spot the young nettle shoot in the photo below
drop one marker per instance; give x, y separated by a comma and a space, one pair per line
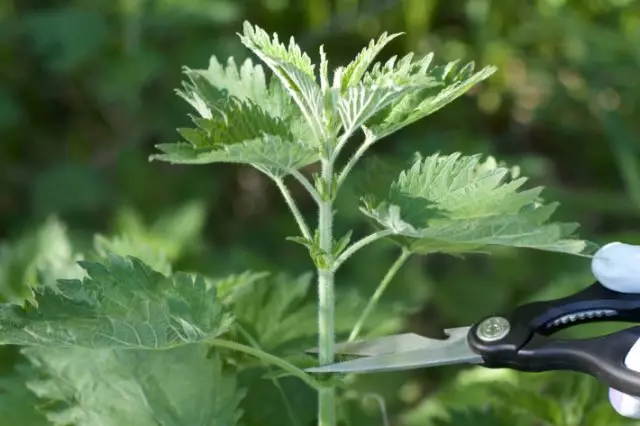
299, 114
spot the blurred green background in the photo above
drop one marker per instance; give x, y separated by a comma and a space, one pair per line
87, 89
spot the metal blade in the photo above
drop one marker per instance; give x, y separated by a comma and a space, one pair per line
384, 345
454, 350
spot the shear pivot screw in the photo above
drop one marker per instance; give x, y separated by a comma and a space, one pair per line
492, 329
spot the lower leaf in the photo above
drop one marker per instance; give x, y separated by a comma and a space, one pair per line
175, 387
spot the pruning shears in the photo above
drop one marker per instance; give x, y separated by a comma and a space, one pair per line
519, 340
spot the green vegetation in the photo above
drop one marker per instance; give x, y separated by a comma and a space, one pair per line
148, 293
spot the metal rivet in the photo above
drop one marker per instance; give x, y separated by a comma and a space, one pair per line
492, 329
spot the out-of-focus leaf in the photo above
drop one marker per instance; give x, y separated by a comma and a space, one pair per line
174, 387
158, 244
18, 405
36, 258
122, 303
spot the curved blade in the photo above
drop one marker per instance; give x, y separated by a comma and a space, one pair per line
454, 350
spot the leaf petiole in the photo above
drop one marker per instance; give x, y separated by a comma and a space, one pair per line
269, 359
304, 228
369, 140
353, 248
375, 298
306, 184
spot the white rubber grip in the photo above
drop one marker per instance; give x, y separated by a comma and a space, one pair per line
617, 266
626, 405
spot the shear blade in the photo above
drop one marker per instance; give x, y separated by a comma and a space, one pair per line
389, 354
382, 345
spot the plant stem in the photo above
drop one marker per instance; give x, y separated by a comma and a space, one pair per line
373, 301
358, 245
326, 338
304, 229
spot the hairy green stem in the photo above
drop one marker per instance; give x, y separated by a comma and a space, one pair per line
373, 301
304, 229
326, 338
350, 251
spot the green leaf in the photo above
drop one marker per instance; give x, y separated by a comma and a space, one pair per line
122, 303
435, 88
35, 258
341, 244
474, 417
210, 88
217, 82
294, 69
174, 387
352, 74
276, 310
290, 402
359, 103
242, 119
455, 204
18, 405
269, 154
158, 244
232, 122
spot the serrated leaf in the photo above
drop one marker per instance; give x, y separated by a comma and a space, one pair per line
269, 154
158, 244
359, 103
174, 387
454, 204
217, 83
242, 119
122, 303
234, 121
352, 74
275, 311
435, 88
294, 69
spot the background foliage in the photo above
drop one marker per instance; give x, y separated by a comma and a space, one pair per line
87, 88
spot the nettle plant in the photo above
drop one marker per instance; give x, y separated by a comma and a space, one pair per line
129, 341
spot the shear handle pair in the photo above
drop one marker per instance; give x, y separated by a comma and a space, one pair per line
528, 347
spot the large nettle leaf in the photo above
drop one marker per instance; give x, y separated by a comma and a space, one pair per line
122, 303
457, 204
242, 119
432, 88
397, 93
105, 387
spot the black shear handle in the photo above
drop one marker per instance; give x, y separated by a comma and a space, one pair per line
528, 347
602, 357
